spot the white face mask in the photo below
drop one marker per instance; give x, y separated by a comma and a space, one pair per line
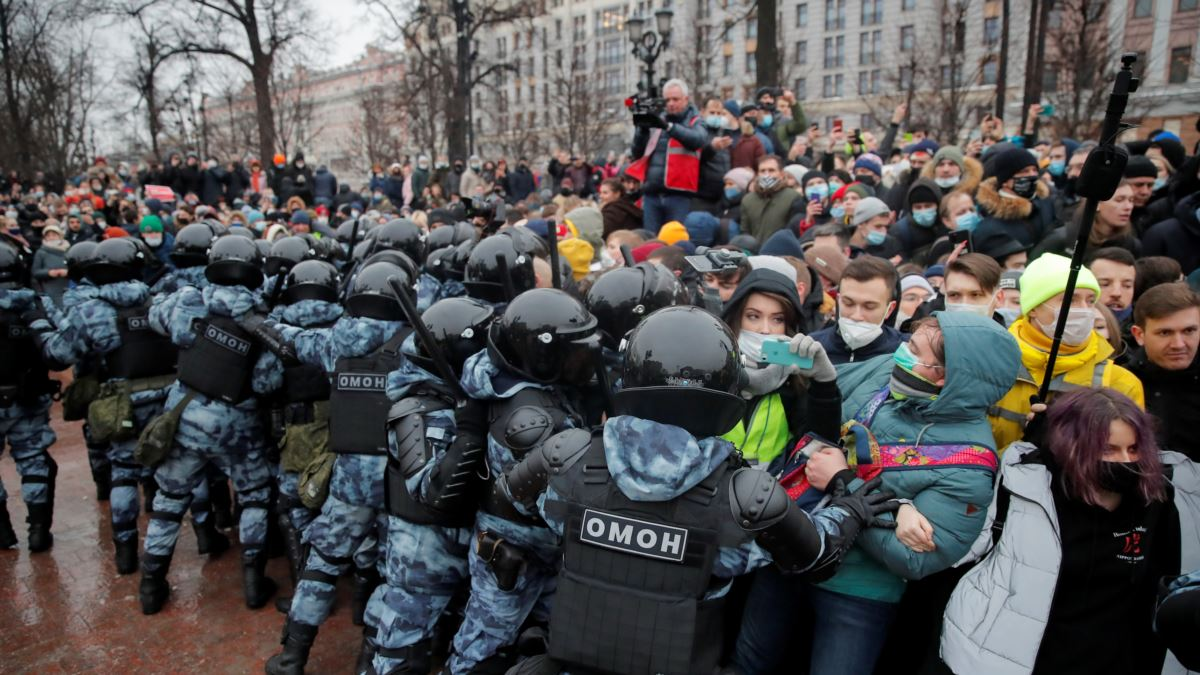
858, 334
606, 259
1080, 322
750, 344
980, 310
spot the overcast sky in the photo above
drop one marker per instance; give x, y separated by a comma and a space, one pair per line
350, 29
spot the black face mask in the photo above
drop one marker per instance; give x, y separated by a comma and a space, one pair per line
1025, 187
566, 191
868, 180
1122, 478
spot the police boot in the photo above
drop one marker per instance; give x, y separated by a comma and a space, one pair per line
40, 517
416, 657
8, 538
126, 555
366, 653
297, 641
294, 548
102, 476
154, 589
256, 585
209, 541
365, 582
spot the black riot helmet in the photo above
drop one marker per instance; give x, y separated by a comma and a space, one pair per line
547, 336
450, 235
286, 252
459, 327
681, 367
192, 244
372, 295
397, 258
234, 261
118, 259
13, 271
239, 231
264, 247
400, 234
484, 276
78, 257
624, 296
311, 280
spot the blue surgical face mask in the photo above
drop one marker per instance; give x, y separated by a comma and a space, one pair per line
834, 186
1159, 183
1057, 168
714, 121
924, 217
817, 191
875, 237
968, 221
838, 212
732, 193
766, 120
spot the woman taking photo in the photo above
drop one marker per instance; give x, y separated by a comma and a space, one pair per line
780, 407
1087, 528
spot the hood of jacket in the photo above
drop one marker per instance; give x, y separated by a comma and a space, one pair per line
1005, 207
653, 462
16, 300
231, 301
925, 183
309, 313
483, 379
1185, 213
409, 375
357, 336
124, 293
972, 175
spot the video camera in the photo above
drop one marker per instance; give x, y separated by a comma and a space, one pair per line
647, 110
710, 260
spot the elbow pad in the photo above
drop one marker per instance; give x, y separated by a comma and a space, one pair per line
761, 505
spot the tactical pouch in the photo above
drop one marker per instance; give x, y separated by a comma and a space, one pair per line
110, 415
159, 435
506, 561
314, 480
78, 396
302, 443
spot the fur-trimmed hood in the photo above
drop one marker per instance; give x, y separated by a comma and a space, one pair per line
971, 177
1004, 207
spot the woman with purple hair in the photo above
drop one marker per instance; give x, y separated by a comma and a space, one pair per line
1081, 531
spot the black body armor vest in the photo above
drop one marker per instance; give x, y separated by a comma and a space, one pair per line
23, 375
641, 571
358, 402
143, 352
220, 363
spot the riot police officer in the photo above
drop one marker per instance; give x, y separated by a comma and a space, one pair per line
658, 513
436, 451
540, 352
359, 350
218, 419
25, 391
136, 366
500, 267
190, 256
434, 284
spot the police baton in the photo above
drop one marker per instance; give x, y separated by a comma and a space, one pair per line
1100, 178
510, 292
555, 275
427, 342
353, 237
627, 254
280, 282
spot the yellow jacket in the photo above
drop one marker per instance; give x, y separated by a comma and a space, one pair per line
1084, 366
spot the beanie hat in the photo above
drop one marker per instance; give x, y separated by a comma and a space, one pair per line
672, 232
868, 209
814, 174
916, 281
935, 271
280, 159
253, 216
740, 176
150, 223
52, 228
796, 172
701, 228
588, 224
113, 232
773, 263
871, 163
783, 242
859, 189
300, 217
1046, 277
641, 253
1004, 165
1140, 166
578, 254
1070, 145
733, 108
828, 261
154, 205
952, 153
925, 145
1172, 150
1011, 279
924, 191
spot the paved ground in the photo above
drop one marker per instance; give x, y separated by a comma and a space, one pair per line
67, 610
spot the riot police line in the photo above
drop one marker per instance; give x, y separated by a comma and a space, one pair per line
514, 475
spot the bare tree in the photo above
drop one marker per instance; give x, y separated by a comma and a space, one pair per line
293, 107
143, 71
252, 33
1084, 63
444, 36
580, 99
23, 28
376, 134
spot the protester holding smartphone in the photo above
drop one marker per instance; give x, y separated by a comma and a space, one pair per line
788, 394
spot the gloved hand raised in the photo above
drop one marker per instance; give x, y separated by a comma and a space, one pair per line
822, 369
864, 504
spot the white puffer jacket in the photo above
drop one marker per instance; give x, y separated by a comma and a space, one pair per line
997, 614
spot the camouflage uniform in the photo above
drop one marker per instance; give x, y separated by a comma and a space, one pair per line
424, 565
349, 516
493, 617
430, 290
26, 427
97, 452
210, 430
179, 278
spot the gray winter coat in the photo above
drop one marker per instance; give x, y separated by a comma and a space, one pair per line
998, 613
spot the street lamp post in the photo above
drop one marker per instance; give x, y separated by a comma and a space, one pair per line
649, 44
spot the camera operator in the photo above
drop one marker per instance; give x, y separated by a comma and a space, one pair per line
668, 141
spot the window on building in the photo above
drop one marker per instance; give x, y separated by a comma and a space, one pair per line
908, 5
827, 86
751, 27
801, 88
1139, 66
872, 12
991, 30
864, 49
875, 81
867, 121
1050, 78
558, 29
864, 83
840, 49
1181, 64
1143, 8
501, 47
960, 36
801, 52
908, 38
838, 81
835, 14
1188, 5
989, 72
802, 15
906, 77
727, 65
751, 62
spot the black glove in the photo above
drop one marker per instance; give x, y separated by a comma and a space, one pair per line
270, 337
470, 417
866, 508
1035, 429
36, 311
649, 121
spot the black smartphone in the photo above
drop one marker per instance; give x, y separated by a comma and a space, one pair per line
959, 236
